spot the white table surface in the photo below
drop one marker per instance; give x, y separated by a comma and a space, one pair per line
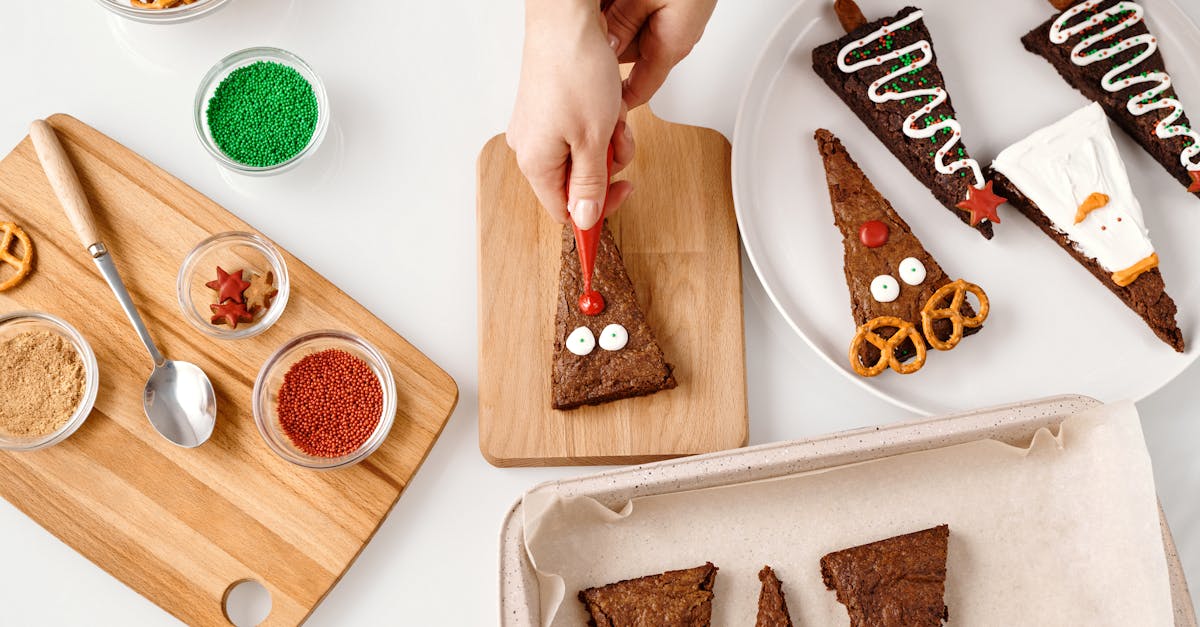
416, 89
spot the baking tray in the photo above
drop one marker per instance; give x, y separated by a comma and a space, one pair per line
1013, 424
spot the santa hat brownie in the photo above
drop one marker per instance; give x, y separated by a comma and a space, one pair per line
886, 72
1068, 178
899, 295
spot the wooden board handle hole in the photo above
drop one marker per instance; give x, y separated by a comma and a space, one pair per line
246, 603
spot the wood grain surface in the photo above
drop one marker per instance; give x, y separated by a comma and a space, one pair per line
182, 526
679, 238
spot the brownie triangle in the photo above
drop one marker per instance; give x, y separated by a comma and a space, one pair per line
904, 85
1141, 73
602, 373
772, 606
1068, 179
681, 598
898, 581
858, 206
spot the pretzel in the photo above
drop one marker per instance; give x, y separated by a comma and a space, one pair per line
887, 347
24, 263
932, 311
158, 4
849, 15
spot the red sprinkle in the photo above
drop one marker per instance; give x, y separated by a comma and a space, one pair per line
330, 403
591, 303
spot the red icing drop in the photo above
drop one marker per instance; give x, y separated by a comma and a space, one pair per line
873, 234
591, 303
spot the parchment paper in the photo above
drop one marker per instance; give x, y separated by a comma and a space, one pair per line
1065, 532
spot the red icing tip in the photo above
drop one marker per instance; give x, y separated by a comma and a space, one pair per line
873, 234
591, 303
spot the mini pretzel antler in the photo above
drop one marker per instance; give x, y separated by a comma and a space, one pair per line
849, 14
1062, 5
933, 311
887, 346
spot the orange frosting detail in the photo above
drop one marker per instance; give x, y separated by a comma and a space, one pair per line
1093, 202
1130, 274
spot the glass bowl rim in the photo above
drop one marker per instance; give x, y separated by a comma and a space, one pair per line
172, 15
91, 374
387, 383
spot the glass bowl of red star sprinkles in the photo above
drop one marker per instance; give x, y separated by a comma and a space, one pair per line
233, 285
325, 400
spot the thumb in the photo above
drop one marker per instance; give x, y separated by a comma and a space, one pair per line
587, 186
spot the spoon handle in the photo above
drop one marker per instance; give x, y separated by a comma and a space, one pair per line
65, 183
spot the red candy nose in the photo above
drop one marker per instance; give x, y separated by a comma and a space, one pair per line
873, 234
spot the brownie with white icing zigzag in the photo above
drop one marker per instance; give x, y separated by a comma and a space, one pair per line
887, 73
1104, 49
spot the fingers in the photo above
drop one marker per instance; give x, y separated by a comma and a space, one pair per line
617, 193
588, 185
644, 80
625, 19
546, 170
622, 143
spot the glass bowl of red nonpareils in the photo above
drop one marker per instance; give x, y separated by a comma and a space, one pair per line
325, 400
233, 285
162, 11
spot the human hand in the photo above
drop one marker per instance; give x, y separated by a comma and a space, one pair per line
654, 35
568, 111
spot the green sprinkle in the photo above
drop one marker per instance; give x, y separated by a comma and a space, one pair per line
263, 114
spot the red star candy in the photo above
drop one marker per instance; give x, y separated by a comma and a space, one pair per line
231, 314
981, 202
229, 286
1195, 187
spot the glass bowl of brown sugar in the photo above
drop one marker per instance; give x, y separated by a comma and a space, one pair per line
325, 400
48, 380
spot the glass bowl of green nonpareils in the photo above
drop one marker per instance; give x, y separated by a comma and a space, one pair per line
261, 111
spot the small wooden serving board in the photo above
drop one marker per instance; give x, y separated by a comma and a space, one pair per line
679, 239
182, 526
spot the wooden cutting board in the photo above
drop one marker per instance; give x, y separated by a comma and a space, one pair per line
679, 238
182, 526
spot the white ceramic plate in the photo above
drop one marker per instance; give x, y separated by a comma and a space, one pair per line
1053, 328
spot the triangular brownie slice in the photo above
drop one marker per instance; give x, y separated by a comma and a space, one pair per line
1104, 49
888, 272
680, 598
900, 581
772, 606
609, 356
1068, 178
887, 73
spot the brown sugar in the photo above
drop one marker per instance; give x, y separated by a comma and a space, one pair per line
41, 383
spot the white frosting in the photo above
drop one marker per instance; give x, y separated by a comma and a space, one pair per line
614, 337
912, 271
936, 94
885, 289
1059, 166
581, 341
1160, 82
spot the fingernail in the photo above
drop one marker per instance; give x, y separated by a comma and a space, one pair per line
585, 213
613, 42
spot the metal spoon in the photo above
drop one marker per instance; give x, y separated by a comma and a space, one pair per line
179, 398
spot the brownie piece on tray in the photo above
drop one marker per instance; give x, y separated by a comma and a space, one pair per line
886, 73
1104, 49
772, 606
610, 356
1068, 178
897, 582
677, 598
894, 282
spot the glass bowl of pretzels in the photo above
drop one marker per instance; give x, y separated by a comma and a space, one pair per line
161, 11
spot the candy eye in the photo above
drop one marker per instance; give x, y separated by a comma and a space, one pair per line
614, 337
581, 341
885, 289
912, 271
